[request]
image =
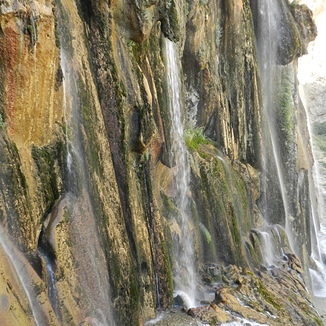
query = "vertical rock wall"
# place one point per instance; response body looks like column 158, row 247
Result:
column 87, row 173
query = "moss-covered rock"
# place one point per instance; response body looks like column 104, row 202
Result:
column 305, row 24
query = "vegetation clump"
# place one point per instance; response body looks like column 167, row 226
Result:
column 195, row 137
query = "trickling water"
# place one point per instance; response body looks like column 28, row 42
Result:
column 157, row 286
column 185, row 251
column 19, row 264
column 52, row 289
column 63, row 63
column 91, row 266
column 47, row 248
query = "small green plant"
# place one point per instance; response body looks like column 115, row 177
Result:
column 194, row 137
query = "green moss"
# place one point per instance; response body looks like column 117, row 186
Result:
column 2, row 123
column 207, row 236
column 318, row 321
column 45, row 163
column 169, row 209
column 90, row 138
column 268, row 297
column 18, row 177
column 134, row 293
column 168, row 241
column 125, row 288
column 133, row 48
column 169, row 270
column 221, row 198
column 195, row 137
column 253, row 250
column 285, row 112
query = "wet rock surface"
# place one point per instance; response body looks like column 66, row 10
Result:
column 109, row 158
column 275, row 295
column 270, row 296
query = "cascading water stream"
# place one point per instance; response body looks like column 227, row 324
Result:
column 51, row 284
column 185, row 251
column 267, row 30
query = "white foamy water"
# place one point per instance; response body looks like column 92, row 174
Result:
column 242, row 322
column 155, row 320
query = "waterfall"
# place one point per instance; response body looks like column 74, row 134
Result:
column 185, row 247
column 274, row 203
column 312, row 79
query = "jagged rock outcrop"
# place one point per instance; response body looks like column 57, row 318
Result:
column 87, row 187
column 266, row 297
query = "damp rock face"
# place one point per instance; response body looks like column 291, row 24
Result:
column 258, row 296
column 87, row 176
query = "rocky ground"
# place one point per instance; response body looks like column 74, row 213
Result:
column 174, row 317
column 320, row 304
column 273, row 296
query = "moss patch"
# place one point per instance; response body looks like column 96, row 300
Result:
column 195, row 137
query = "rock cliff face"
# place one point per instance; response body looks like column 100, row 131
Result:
column 88, row 200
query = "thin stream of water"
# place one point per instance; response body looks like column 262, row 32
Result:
column 65, row 72
column 20, row 267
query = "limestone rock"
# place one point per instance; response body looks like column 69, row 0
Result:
column 262, row 297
